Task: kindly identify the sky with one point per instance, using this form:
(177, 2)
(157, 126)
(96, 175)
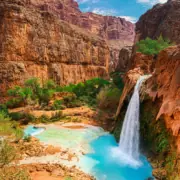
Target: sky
(131, 10)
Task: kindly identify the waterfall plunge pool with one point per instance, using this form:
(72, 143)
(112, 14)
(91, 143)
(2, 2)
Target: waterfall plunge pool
(101, 159)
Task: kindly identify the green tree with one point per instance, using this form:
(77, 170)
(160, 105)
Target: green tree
(152, 47)
(21, 94)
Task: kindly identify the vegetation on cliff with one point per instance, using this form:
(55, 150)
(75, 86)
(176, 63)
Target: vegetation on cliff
(152, 47)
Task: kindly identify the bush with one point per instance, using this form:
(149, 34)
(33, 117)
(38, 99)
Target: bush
(88, 88)
(152, 47)
(108, 97)
(9, 128)
(57, 105)
(14, 103)
(55, 117)
(7, 153)
(117, 80)
(3, 108)
(4, 117)
(16, 116)
(14, 173)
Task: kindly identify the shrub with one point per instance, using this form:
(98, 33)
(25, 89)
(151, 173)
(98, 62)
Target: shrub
(44, 119)
(50, 84)
(45, 95)
(13, 173)
(58, 104)
(88, 100)
(3, 108)
(152, 47)
(108, 97)
(16, 116)
(56, 116)
(34, 85)
(8, 127)
(117, 80)
(7, 153)
(14, 103)
(88, 88)
(4, 117)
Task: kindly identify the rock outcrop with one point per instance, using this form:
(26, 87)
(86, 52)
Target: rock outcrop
(36, 43)
(165, 85)
(54, 39)
(162, 19)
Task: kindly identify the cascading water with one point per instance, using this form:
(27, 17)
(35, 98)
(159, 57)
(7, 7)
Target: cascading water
(128, 149)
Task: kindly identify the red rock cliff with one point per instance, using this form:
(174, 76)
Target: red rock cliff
(36, 43)
(54, 39)
(162, 19)
(116, 31)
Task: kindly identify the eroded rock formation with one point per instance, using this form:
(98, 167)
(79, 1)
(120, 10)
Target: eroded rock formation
(162, 19)
(54, 39)
(37, 44)
(165, 85)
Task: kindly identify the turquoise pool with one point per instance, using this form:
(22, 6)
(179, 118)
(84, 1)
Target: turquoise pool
(105, 166)
(100, 161)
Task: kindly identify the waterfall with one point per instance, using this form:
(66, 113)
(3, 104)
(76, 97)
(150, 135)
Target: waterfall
(128, 150)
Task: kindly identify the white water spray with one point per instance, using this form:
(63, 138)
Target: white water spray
(128, 149)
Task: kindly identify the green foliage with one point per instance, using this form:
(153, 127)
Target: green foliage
(117, 79)
(88, 88)
(8, 127)
(50, 84)
(31, 92)
(3, 108)
(55, 117)
(27, 138)
(7, 153)
(16, 116)
(58, 105)
(45, 95)
(71, 101)
(34, 85)
(68, 178)
(170, 162)
(152, 47)
(15, 173)
(14, 103)
(4, 117)
(25, 118)
(154, 133)
(108, 97)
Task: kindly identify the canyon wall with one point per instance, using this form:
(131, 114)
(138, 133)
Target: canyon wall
(116, 31)
(54, 39)
(162, 19)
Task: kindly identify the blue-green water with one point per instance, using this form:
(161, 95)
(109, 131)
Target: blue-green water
(109, 167)
(104, 163)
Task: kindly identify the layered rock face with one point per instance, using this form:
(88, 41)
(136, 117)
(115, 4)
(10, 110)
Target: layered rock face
(116, 31)
(35, 43)
(54, 39)
(165, 86)
(162, 19)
